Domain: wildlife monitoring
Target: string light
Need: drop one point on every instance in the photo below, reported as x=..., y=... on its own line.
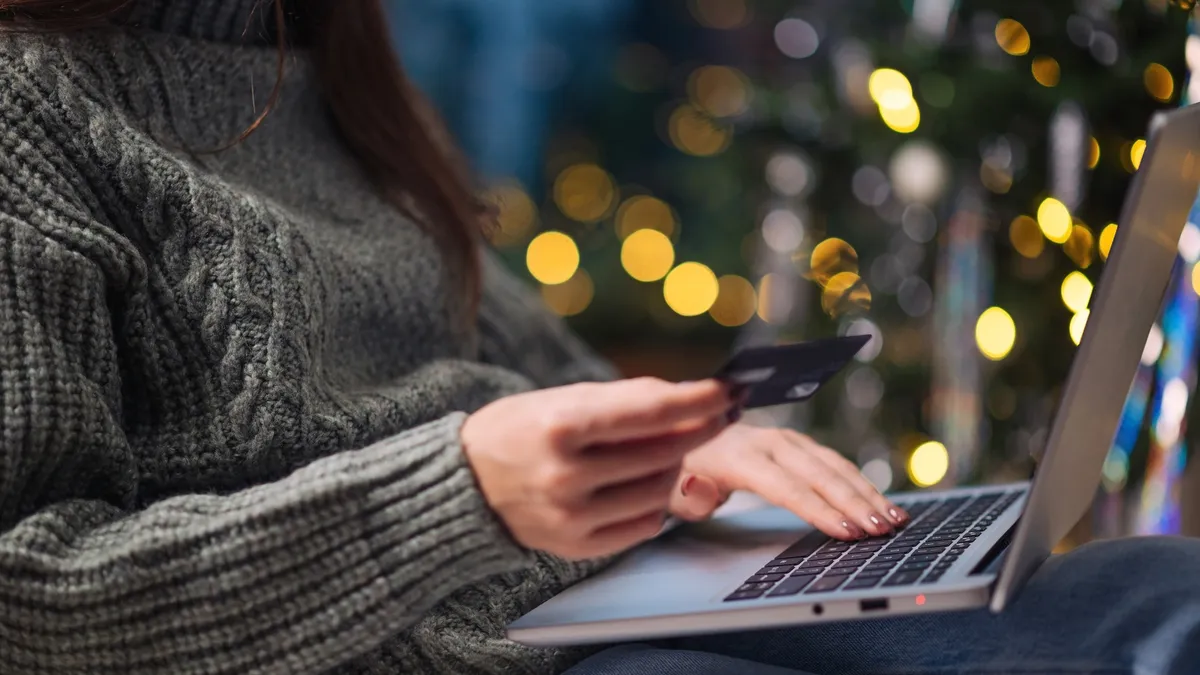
x=831, y=257
x=516, y=214
x=893, y=93
x=1055, y=220
x=647, y=255
x=552, y=257
x=995, y=333
x=770, y=309
x=1012, y=37
x=570, y=297
x=720, y=91
x=902, y=120
x=1046, y=71
x=720, y=14
x=845, y=292
x=585, y=192
x=1076, y=291
x=1093, y=153
x=1078, y=323
x=1159, y=82
x=691, y=289
x=928, y=464
x=1107, y=236
x=1136, y=151
x=695, y=133
x=1080, y=245
x=736, y=301
x=644, y=213
x=1026, y=237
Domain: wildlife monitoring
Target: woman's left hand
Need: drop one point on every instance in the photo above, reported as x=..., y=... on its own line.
x=789, y=470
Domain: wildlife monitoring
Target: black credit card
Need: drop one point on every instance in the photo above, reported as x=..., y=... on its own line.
x=789, y=373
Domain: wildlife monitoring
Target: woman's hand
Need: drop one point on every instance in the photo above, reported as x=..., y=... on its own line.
x=589, y=469
x=789, y=470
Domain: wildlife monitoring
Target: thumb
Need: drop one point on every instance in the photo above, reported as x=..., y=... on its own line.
x=696, y=497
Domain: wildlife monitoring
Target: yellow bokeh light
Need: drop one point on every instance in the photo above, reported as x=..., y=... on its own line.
x=1159, y=82
x=770, y=309
x=844, y=293
x=1012, y=37
x=928, y=464
x=1196, y=278
x=1136, y=151
x=585, y=192
x=570, y=297
x=1107, y=236
x=644, y=213
x=736, y=301
x=720, y=91
x=552, y=257
x=1078, y=323
x=1076, y=291
x=1046, y=71
x=1055, y=220
x=647, y=255
x=1026, y=237
x=890, y=89
x=1093, y=153
x=720, y=14
x=995, y=333
x=691, y=289
x=902, y=120
x=1080, y=245
x=695, y=133
x=516, y=214
x=831, y=257
x=995, y=178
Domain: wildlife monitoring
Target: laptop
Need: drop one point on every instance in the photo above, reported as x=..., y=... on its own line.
x=964, y=548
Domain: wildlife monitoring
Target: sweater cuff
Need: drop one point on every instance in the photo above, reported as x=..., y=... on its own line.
x=429, y=525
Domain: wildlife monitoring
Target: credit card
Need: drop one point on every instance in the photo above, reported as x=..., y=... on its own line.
x=793, y=373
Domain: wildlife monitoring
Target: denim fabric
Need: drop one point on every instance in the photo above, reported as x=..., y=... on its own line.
x=1127, y=606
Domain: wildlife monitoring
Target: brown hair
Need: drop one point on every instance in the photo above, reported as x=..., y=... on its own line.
x=383, y=119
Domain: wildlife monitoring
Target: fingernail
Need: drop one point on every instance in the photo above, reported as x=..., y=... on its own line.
x=687, y=485
x=878, y=521
x=898, y=515
x=854, y=531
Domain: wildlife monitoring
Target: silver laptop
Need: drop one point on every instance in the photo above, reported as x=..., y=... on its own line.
x=964, y=548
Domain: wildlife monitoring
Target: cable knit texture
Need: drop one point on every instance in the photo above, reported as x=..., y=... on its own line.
x=231, y=384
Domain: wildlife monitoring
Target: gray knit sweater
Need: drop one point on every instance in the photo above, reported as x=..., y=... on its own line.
x=231, y=385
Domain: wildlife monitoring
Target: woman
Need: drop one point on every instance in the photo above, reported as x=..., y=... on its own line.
x=264, y=407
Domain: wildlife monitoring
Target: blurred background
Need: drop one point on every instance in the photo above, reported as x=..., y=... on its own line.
x=680, y=177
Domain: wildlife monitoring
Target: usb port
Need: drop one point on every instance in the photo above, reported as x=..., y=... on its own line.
x=876, y=605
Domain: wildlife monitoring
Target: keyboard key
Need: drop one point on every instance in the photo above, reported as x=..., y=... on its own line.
x=788, y=562
x=744, y=595
x=778, y=569
x=922, y=558
x=848, y=565
x=792, y=585
x=836, y=547
x=807, y=545
x=915, y=566
x=863, y=582
x=887, y=557
x=827, y=583
x=758, y=578
x=757, y=586
x=903, y=578
x=931, y=578
x=858, y=555
x=824, y=556
x=878, y=572
x=816, y=565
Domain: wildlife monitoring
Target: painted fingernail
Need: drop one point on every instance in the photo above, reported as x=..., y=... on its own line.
x=854, y=531
x=878, y=521
x=898, y=515
x=687, y=485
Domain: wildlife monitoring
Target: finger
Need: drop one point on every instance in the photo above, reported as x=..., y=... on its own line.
x=765, y=478
x=622, y=462
x=865, y=488
x=806, y=469
x=641, y=408
x=630, y=501
x=621, y=536
x=697, y=498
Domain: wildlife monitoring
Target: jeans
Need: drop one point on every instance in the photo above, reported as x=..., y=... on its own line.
x=1124, y=606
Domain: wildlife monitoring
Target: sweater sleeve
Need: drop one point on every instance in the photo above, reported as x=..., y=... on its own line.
x=518, y=332
x=296, y=575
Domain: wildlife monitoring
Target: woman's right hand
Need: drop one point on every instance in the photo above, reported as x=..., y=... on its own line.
x=587, y=470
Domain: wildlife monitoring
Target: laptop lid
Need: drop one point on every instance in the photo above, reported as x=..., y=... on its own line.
x=1125, y=306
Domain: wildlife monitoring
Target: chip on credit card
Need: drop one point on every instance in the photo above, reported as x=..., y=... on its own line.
x=791, y=373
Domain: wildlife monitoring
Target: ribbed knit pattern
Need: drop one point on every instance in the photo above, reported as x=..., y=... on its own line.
x=231, y=384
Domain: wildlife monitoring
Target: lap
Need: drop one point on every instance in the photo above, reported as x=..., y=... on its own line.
x=1127, y=606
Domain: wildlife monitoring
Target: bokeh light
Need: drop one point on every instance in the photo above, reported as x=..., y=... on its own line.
x=831, y=257
x=902, y=120
x=1078, y=323
x=516, y=214
x=720, y=14
x=845, y=292
x=889, y=88
x=695, y=133
x=1080, y=245
x=1055, y=220
x=1093, y=152
x=879, y=472
x=1012, y=37
x=1159, y=82
x=691, y=289
x=570, y=297
x=552, y=257
x=585, y=192
x=1046, y=71
x=770, y=308
x=1136, y=151
x=1026, y=237
x=1107, y=236
x=647, y=255
x=1196, y=278
x=995, y=333
x=782, y=230
x=736, y=301
x=928, y=464
x=796, y=38
x=1076, y=291
x=644, y=213
x=720, y=91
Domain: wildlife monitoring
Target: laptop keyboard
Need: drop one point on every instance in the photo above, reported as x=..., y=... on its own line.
x=940, y=531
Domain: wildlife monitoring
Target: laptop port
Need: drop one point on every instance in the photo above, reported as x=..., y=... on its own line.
x=876, y=605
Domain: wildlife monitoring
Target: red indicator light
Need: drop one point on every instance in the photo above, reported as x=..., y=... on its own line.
x=921, y=599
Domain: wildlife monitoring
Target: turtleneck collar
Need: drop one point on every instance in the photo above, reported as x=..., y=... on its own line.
x=233, y=21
